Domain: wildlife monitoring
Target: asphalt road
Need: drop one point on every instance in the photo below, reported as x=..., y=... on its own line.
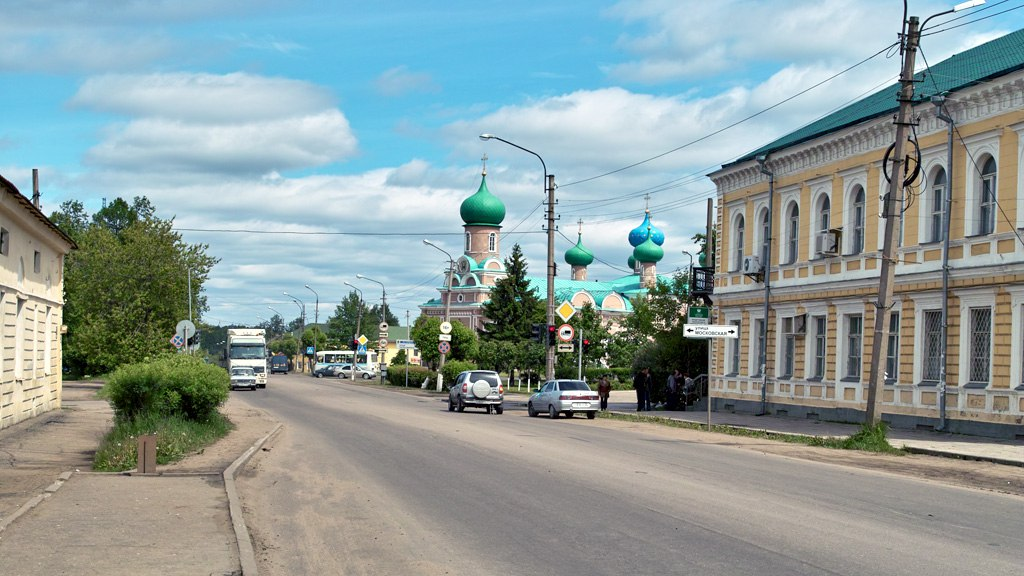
x=370, y=481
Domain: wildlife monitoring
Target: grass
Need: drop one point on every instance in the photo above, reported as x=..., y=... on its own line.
x=176, y=437
x=868, y=439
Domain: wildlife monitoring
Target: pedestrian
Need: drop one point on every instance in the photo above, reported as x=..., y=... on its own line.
x=675, y=386
x=642, y=385
x=689, y=392
x=604, y=389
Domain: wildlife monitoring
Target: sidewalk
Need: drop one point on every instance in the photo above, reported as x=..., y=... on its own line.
x=58, y=517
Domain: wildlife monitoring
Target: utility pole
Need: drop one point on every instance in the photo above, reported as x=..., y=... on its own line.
x=550, y=185
x=891, y=212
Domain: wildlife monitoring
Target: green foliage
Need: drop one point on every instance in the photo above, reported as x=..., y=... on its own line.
x=178, y=385
x=396, y=376
x=400, y=359
x=127, y=285
x=176, y=437
x=286, y=344
x=513, y=305
x=425, y=331
x=350, y=318
x=452, y=369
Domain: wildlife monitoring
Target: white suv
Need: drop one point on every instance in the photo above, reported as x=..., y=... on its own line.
x=478, y=389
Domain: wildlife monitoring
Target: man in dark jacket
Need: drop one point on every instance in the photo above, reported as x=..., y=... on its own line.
x=642, y=385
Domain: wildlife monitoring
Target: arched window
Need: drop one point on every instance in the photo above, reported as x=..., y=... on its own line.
x=738, y=238
x=987, y=206
x=467, y=241
x=765, y=243
x=936, y=207
x=492, y=242
x=824, y=215
x=792, y=233
x=857, y=241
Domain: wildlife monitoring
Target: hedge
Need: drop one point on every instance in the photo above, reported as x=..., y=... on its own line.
x=177, y=385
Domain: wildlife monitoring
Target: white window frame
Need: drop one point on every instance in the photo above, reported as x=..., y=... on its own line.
x=858, y=220
x=739, y=234
x=937, y=206
x=969, y=300
x=792, y=232
x=492, y=242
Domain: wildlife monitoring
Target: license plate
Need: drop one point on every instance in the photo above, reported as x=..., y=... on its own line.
x=581, y=404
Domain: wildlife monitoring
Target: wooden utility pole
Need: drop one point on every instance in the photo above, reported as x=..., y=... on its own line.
x=892, y=212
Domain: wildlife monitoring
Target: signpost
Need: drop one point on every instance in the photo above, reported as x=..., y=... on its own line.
x=444, y=347
x=566, y=332
x=564, y=347
x=565, y=311
x=698, y=315
x=710, y=331
x=405, y=344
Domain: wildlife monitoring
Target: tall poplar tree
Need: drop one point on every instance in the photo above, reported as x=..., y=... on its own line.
x=514, y=305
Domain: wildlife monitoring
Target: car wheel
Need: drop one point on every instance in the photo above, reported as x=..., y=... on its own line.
x=552, y=412
x=499, y=409
x=489, y=408
x=462, y=405
x=530, y=410
x=319, y=374
x=366, y=376
x=568, y=413
x=591, y=415
x=451, y=405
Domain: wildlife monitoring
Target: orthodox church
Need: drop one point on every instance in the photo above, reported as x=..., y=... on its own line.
x=481, y=266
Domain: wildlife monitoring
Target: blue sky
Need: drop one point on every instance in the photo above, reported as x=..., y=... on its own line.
x=346, y=132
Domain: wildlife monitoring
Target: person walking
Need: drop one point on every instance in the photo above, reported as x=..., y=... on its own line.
x=674, y=385
x=604, y=389
x=642, y=385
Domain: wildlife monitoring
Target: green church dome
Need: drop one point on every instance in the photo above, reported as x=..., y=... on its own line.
x=631, y=262
x=648, y=251
x=578, y=255
x=482, y=208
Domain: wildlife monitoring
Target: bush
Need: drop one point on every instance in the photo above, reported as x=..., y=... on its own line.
x=452, y=369
x=396, y=375
x=178, y=385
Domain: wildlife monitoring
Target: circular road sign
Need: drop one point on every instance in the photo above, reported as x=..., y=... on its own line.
x=566, y=332
x=383, y=342
x=444, y=347
x=383, y=327
x=446, y=327
x=187, y=327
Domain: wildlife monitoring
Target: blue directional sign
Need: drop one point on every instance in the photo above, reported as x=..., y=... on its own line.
x=361, y=349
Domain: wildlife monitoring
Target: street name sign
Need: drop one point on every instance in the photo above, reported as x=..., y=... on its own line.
x=406, y=345
x=710, y=331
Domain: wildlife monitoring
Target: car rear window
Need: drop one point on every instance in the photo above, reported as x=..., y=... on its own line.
x=489, y=377
x=573, y=385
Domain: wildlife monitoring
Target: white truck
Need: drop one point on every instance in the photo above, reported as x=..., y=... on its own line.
x=248, y=347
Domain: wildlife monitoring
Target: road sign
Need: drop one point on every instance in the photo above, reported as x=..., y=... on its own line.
x=698, y=315
x=565, y=333
x=444, y=347
x=405, y=344
x=446, y=327
x=383, y=327
x=563, y=347
x=444, y=337
x=383, y=342
x=361, y=349
x=711, y=331
x=186, y=327
x=178, y=341
x=310, y=350
x=382, y=335
x=362, y=341
x=565, y=311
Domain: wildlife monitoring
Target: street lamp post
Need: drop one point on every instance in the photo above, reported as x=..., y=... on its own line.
x=316, y=320
x=383, y=317
x=549, y=188
x=767, y=275
x=359, y=322
x=689, y=277
x=943, y=114
x=302, y=328
x=447, y=304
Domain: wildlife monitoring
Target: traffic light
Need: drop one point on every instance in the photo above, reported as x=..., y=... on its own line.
x=355, y=344
x=552, y=334
x=535, y=332
x=586, y=345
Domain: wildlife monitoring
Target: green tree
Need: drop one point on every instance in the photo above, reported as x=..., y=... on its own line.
x=286, y=344
x=513, y=304
x=586, y=322
x=126, y=287
x=425, y=331
x=348, y=315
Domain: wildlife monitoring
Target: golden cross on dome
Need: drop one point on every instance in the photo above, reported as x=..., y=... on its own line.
x=484, y=159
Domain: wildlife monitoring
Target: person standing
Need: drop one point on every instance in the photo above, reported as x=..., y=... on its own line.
x=642, y=385
x=675, y=383
x=604, y=389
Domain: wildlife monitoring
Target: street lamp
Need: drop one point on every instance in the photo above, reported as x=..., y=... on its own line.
x=359, y=322
x=383, y=315
x=549, y=187
x=689, y=277
x=762, y=161
x=447, y=303
x=316, y=319
x=302, y=328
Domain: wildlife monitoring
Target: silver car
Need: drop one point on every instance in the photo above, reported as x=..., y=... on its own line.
x=362, y=371
x=564, y=397
x=479, y=389
x=243, y=377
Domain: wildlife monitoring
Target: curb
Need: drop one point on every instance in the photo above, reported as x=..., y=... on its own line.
x=958, y=456
x=5, y=522
x=246, y=554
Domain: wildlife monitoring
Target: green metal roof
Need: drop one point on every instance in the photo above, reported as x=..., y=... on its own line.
x=990, y=60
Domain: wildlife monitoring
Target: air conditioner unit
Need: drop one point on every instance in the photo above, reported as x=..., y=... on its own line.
x=752, y=265
x=827, y=243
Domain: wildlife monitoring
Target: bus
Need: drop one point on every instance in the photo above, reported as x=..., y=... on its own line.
x=368, y=358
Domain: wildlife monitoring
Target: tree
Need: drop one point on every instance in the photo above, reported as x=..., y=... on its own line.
x=586, y=322
x=348, y=315
x=425, y=331
x=513, y=304
x=126, y=286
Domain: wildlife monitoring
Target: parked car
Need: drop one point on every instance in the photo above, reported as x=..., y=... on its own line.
x=564, y=397
x=325, y=369
x=243, y=377
x=478, y=389
x=278, y=364
x=362, y=371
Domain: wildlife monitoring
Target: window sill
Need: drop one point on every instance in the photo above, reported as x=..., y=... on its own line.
x=850, y=379
x=975, y=385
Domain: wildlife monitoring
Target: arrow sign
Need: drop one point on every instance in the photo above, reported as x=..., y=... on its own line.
x=710, y=331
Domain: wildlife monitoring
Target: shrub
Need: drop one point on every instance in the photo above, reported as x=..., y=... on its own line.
x=178, y=385
x=452, y=369
x=396, y=375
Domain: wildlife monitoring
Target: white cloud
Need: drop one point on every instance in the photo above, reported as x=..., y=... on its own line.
x=399, y=81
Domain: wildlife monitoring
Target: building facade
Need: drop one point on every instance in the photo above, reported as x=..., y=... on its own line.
x=32, y=252
x=824, y=259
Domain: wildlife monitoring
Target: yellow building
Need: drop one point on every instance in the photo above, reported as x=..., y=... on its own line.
x=824, y=258
x=32, y=254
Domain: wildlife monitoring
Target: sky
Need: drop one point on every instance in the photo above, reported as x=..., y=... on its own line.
x=305, y=142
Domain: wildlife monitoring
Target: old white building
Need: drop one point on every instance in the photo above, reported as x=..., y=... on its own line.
x=32, y=251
